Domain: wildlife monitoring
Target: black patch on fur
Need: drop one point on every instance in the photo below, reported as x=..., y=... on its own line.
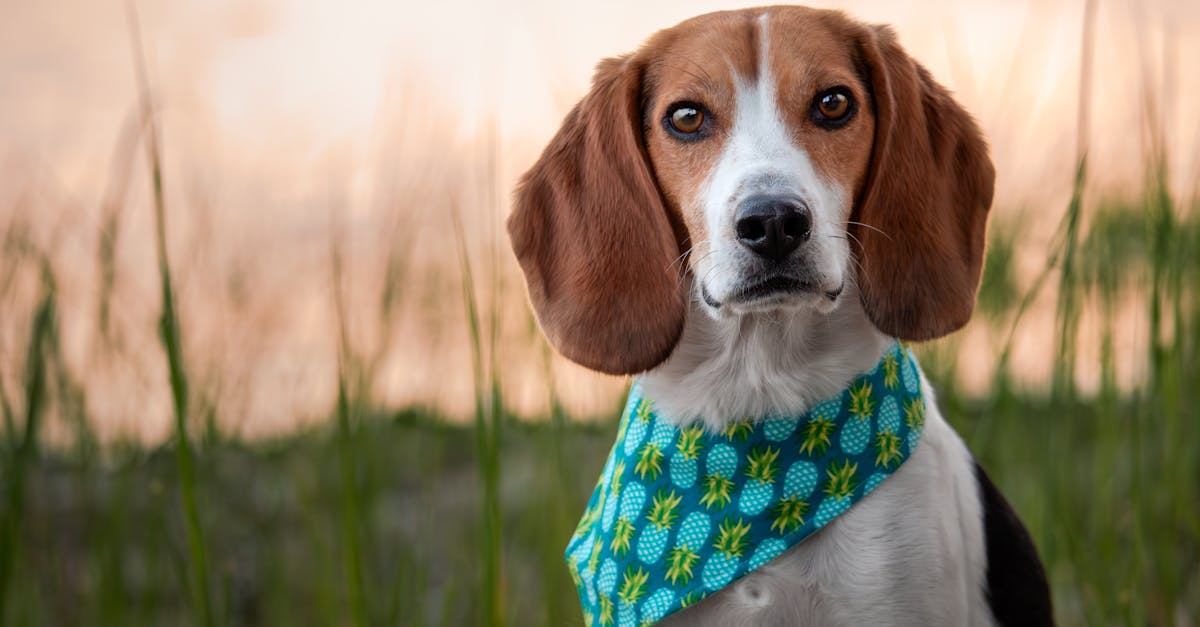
x=1016, y=583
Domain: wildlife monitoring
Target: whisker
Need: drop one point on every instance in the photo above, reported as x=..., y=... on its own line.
x=681, y=257
x=708, y=79
x=705, y=80
x=856, y=240
x=868, y=226
x=857, y=262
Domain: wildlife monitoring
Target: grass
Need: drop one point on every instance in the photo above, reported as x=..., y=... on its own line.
x=384, y=516
x=169, y=335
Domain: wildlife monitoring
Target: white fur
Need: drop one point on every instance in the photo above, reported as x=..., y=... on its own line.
x=760, y=363
x=759, y=157
x=910, y=553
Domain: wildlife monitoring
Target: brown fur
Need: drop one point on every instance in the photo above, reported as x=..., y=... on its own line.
x=605, y=213
x=929, y=189
x=692, y=62
x=594, y=238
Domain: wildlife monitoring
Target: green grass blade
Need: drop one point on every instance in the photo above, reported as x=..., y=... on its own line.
x=351, y=506
x=487, y=443
x=24, y=452
x=170, y=337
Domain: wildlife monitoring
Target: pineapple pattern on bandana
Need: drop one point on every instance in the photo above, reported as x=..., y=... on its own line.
x=679, y=513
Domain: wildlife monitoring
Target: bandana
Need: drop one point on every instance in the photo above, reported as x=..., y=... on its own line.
x=679, y=513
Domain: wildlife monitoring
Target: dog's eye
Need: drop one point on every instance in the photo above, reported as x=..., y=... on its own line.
x=685, y=120
x=832, y=108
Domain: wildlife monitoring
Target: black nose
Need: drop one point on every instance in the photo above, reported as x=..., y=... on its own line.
x=773, y=226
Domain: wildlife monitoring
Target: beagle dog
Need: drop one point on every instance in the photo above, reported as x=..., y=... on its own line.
x=748, y=212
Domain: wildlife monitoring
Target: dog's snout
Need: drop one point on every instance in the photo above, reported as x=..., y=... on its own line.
x=773, y=226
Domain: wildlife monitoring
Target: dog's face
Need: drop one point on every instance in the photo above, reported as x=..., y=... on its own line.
x=783, y=152
x=760, y=143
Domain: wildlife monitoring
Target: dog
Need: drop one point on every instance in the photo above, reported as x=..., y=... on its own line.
x=748, y=213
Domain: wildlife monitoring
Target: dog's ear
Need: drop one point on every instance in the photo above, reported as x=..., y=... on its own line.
x=924, y=204
x=594, y=238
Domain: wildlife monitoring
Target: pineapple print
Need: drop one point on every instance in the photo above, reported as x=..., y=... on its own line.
x=657, y=605
x=887, y=442
x=768, y=550
x=914, y=417
x=594, y=557
x=889, y=415
x=891, y=371
x=573, y=569
x=611, y=499
x=662, y=517
x=887, y=450
x=855, y=435
x=639, y=424
x=606, y=581
x=857, y=432
x=778, y=429
x=627, y=414
x=789, y=513
x=731, y=543
x=682, y=558
x=686, y=458
x=908, y=372
x=650, y=456
x=862, y=404
x=633, y=586
x=581, y=551
x=606, y=611
x=829, y=409
x=679, y=512
x=738, y=430
x=760, y=489
x=590, y=516
x=721, y=464
x=842, y=479
x=817, y=433
x=839, y=490
x=631, y=505
x=873, y=481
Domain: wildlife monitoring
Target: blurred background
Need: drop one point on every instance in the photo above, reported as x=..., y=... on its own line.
x=266, y=356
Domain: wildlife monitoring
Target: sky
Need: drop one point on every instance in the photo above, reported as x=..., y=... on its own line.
x=265, y=74
x=286, y=122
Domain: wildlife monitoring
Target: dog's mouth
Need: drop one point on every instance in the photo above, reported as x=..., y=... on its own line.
x=770, y=289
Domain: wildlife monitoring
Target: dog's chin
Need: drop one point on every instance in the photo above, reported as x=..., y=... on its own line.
x=776, y=295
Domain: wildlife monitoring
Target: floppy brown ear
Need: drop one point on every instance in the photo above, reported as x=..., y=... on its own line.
x=594, y=238
x=925, y=199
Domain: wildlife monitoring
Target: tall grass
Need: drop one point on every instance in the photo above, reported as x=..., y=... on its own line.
x=487, y=442
x=351, y=510
x=172, y=344
x=386, y=516
x=22, y=449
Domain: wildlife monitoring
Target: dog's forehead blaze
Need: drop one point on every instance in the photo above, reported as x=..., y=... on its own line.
x=809, y=53
x=697, y=61
x=705, y=59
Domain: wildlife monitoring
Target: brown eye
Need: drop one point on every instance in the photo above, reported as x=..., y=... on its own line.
x=833, y=107
x=685, y=119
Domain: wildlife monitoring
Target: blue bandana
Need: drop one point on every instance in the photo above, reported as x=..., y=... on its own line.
x=680, y=513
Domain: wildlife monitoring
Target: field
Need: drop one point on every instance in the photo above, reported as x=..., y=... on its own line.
x=140, y=336
x=380, y=517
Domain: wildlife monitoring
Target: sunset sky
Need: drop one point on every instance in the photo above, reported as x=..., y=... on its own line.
x=280, y=119
x=266, y=76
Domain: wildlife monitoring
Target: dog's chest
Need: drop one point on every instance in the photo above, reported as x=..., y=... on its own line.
x=910, y=553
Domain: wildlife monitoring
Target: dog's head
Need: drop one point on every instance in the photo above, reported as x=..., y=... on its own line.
x=753, y=160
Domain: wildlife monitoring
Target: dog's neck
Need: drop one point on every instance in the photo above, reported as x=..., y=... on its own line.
x=756, y=365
